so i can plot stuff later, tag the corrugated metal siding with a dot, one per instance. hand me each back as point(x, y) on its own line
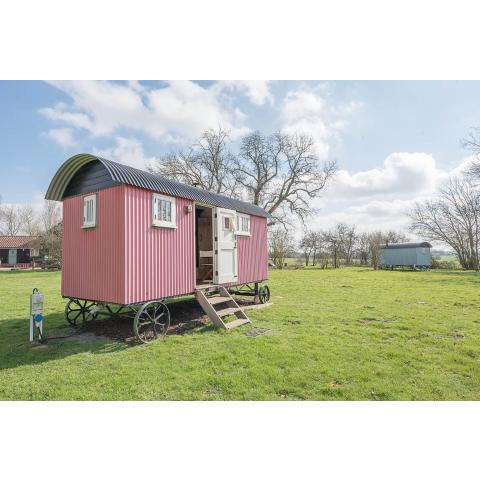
point(159, 261)
point(420, 256)
point(124, 259)
point(252, 252)
point(424, 257)
point(94, 259)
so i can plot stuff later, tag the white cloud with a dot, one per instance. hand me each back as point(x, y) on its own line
point(60, 113)
point(401, 174)
point(310, 110)
point(180, 111)
point(257, 91)
point(128, 151)
point(303, 102)
point(185, 109)
point(366, 216)
point(63, 136)
point(378, 198)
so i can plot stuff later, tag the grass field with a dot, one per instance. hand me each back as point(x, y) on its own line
point(335, 334)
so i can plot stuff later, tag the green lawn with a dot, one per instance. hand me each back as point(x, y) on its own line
point(344, 334)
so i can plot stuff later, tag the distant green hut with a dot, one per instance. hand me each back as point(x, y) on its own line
point(411, 255)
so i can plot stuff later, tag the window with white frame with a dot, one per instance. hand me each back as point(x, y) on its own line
point(164, 211)
point(89, 211)
point(243, 224)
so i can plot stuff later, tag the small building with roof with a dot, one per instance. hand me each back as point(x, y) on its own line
point(18, 250)
point(406, 255)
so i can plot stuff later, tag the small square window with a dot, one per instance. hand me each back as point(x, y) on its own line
point(163, 211)
point(89, 211)
point(243, 224)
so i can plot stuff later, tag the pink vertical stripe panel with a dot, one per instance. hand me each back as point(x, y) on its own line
point(160, 261)
point(252, 252)
point(125, 259)
point(93, 258)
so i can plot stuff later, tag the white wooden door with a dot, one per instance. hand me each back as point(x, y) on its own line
point(225, 246)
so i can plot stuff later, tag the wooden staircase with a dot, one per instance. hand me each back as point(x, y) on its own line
point(218, 304)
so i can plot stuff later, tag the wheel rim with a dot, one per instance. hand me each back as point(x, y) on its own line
point(77, 311)
point(264, 294)
point(151, 321)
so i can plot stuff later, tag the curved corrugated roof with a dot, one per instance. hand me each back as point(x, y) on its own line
point(407, 245)
point(123, 174)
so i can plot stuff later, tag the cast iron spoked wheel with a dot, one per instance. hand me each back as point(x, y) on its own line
point(151, 321)
point(264, 294)
point(77, 311)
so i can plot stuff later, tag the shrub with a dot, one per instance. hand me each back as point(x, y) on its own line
point(445, 264)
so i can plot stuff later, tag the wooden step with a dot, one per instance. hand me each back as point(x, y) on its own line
point(217, 300)
point(237, 323)
point(207, 302)
point(227, 311)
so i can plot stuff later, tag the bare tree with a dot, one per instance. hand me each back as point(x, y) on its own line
point(346, 236)
point(282, 173)
point(318, 244)
point(208, 164)
point(333, 245)
point(18, 220)
point(393, 236)
point(453, 219)
point(472, 143)
point(10, 221)
point(257, 164)
point(51, 235)
point(30, 224)
point(375, 241)
point(51, 215)
point(363, 247)
point(281, 245)
point(308, 245)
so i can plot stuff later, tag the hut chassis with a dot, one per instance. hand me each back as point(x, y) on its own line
point(151, 319)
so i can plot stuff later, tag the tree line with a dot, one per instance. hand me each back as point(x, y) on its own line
point(340, 245)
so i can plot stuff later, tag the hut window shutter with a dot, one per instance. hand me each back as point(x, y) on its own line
point(163, 211)
point(89, 211)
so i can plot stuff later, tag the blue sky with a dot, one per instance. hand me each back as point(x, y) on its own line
point(394, 141)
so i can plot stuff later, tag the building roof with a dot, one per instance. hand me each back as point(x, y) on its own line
point(18, 241)
point(123, 174)
point(406, 245)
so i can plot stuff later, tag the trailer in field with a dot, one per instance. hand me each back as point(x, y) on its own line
point(406, 255)
point(131, 239)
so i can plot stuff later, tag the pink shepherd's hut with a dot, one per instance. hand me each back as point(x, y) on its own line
point(132, 239)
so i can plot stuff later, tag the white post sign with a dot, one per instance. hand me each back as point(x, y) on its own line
point(36, 313)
